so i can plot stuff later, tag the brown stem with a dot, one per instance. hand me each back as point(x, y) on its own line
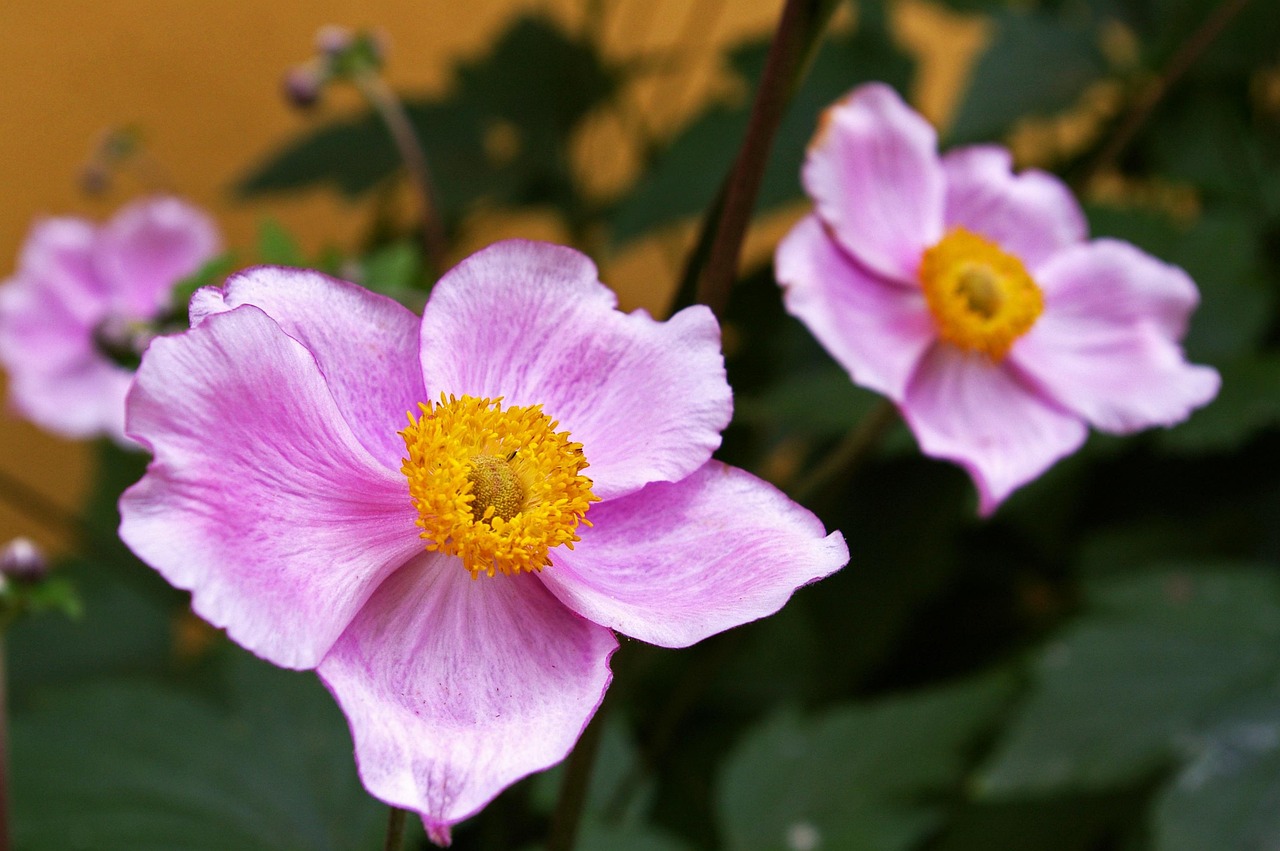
point(574, 786)
point(1178, 65)
point(392, 112)
point(725, 227)
point(856, 445)
point(395, 830)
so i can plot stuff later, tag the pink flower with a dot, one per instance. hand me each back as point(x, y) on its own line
point(454, 576)
point(970, 297)
point(79, 288)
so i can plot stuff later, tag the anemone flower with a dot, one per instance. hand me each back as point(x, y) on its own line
point(84, 293)
point(455, 575)
point(970, 297)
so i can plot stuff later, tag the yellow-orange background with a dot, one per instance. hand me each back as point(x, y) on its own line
point(201, 83)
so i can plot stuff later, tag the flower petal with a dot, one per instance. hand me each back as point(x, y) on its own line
point(986, 418)
point(455, 688)
point(1031, 215)
point(678, 562)
point(877, 331)
point(530, 322)
point(147, 248)
point(58, 258)
point(260, 500)
point(1106, 345)
point(365, 344)
point(873, 172)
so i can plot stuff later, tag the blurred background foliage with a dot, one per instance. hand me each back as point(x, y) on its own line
point(1095, 667)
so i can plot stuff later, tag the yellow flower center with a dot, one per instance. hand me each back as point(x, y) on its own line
point(982, 298)
point(498, 488)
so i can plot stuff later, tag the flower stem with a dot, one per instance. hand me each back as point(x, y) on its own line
point(856, 445)
point(573, 788)
point(395, 829)
point(392, 112)
point(1178, 65)
point(713, 263)
point(4, 749)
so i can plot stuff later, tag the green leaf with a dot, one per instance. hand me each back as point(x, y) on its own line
point(866, 777)
point(1151, 656)
point(1228, 795)
point(393, 268)
point(138, 766)
point(276, 246)
point(1037, 65)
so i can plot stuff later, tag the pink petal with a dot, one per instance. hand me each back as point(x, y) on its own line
point(365, 344)
point(875, 330)
point(874, 174)
point(147, 248)
point(57, 258)
point(530, 322)
point(455, 688)
point(676, 563)
point(56, 377)
point(260, 500)
point(1030, 215)
point(1107, 343)
point(986, 418)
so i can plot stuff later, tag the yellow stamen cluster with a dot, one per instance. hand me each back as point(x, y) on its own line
point(981, 297)
point(498, 488)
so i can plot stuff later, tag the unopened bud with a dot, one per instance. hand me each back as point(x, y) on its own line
point(302, 86)
point(23, 561)
point(333, 41)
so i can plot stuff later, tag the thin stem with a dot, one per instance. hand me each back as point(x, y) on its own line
point(393, 115)
point(4, 749)
point(395, 829)
point(856, 445)
point(1142, 108)
point(725, 226)
point(573, 788)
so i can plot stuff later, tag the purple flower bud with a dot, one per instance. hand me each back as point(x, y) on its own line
point(302, 86)
point(333, 40)
point(22, 560)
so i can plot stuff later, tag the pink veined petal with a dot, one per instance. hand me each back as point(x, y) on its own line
point(874, 174)
point(1107, 346)
point(455, 688)
point(530, 322)
point(986, 418)
point(259, 500)
point(365, 344)
point(876, 330)
point(1108, 282)
point(1030, 215)
point(147, 248)
point(680, 561)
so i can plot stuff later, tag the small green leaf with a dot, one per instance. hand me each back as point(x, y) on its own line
point(392, 268)
point(866, 777)
point(277, 247)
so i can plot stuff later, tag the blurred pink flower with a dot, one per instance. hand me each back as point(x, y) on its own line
point(79, 289)
point(970, 297)
point(455, 578)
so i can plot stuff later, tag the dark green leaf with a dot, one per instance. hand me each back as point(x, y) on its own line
point(1037, 65)
point(1151, 656)
point(862, 777)
point(138, 766)
point(1248, 402)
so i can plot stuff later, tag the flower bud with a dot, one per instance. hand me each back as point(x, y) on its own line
point(302, 86)
point(23, 561)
